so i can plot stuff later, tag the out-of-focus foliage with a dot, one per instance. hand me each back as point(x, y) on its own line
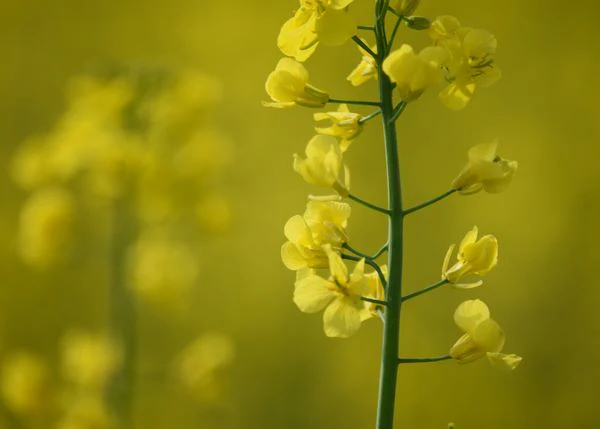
point(286, 374)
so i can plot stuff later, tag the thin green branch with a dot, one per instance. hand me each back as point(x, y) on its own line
point(373, 300)
point(398, 111)
point(428, 203)
point(366, 27)
point(381, 251)
point(363, 45)
point(369, 262)
point(369, 205)
point(391, 9)
point(356, 102)
point(394, 32)
point(425, 290)
point(424, 360)
point(356, 252)
point(369, 116)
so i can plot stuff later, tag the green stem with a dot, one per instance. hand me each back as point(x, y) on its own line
point(398, 110)
point(381, 251)
point(373, 300)
point(366, 27)
point(363, 45)
point(423, 360)
point(391, 325)
point(425, 290)
point(428, 203)
point(369, 116)
point(369, 205)
point(356, 252)
point(357, 102)
point(122, 317)
point(394, 32)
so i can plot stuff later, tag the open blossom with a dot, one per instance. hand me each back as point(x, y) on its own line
point(413, 73)
point(475, 257)
point(339, 296)
point(323, 164)
point(485, 170)
point(326, 21)
point(323, 223)
point(471, 60)
point(483, 337)
point(288, 85)
point(345, 125)
point(365, 70)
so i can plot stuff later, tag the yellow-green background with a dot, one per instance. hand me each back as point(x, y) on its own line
point(544, 292)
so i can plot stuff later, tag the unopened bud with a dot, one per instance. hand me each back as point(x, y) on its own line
point(418, 23)
point(405, 7)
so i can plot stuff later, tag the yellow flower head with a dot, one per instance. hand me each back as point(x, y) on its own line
point(485, 170)
point(471, 61)
point(366, 69)
point(483, 337)
point(46, 227)
point(325, 21)
point(89, 360)
point(339, 295)
point(413, 73)
point(345, 125)
point(476, 257)
point(323, 223)
point(25, 383)
point(323, 164)
point(288, 85)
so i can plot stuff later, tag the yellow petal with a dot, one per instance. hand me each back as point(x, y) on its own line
point(335, 27)
point(456, 97)
point(292, 258)
point(488, 335)
point(465, 350)
point(470, 314)
point(313, 293)
point(296, 230)
point(338, 269)
point(503, 361)
point(341, 318)
point(469, 238)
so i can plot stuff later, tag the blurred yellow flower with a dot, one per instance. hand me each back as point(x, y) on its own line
point(339, 295)
point(86, 411)
point(345, 125)
point(366, 69)
point(288, 85)
point(200, 365)
point(485, 170)
point(25, 383)
point(471, 61)
point(323, 164)
point(483, 337)
point(323, 223)
point(163, 271)
point(475, 257)
point(46, 226)
point(405, 7)
point(325, 21)
point(89, 360)
point(413, 73)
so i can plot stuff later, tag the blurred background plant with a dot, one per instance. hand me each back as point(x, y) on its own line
point(543, 112)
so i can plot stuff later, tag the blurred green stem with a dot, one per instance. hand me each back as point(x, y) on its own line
point(425, 290)
point(391, 324)
point(122, 315)
point(428, 203)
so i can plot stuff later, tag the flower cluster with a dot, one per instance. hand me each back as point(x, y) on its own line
point(318, 246)
point(140, 142)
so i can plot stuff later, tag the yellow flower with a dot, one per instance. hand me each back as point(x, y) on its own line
point(323, 164)
point(339, 295)
point(46, 227)
point(471, 61)
point(323, 223)
point(366, 69)
point(89, 360)
point(413, 73)
point(404, 7)
point(25, 383)
point(345, 125)
point(288, 85)
point(162, 270)
point(483, 337)
point(316, 21)
point(200, 365)
point(476, 257)
point(485, 170)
